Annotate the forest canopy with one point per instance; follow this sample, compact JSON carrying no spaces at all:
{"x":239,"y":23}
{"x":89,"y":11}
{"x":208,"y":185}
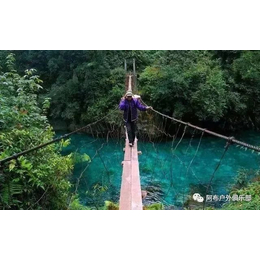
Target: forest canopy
{"x":83,"y":85}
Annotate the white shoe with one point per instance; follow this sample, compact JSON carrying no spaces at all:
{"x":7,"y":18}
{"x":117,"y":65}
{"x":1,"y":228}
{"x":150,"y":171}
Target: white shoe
{"x":130,"y":144}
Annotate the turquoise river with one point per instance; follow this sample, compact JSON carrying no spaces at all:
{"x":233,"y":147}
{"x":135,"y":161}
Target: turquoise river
{"x":167,"y":176}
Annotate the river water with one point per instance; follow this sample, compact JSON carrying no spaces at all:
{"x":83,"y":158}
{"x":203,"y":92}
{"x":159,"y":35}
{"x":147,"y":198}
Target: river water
{"x":168,"y":176}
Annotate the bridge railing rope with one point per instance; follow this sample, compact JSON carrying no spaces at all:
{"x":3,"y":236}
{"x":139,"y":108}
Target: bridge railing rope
{"x":15,"y":156}
{"x":229,"y":139}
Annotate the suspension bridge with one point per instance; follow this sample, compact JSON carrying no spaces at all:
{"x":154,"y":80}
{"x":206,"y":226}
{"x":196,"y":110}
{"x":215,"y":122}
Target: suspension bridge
{"x":130,"y":192}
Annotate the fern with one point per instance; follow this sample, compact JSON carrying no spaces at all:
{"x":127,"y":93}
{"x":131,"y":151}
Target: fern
{"x":8,"y":192}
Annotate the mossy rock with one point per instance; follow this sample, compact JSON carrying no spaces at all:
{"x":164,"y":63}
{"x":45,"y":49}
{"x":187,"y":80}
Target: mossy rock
{"x":109,"y":205}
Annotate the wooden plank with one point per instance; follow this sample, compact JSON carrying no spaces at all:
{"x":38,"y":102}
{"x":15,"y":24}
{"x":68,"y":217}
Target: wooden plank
{"x":130,"y":194}
{"x":136,"y":186}
{"x":125,"y":193}
{"x":127,"y":156}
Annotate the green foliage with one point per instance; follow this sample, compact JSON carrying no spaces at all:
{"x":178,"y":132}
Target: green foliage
{"x":247,"y":183}
{"x":82,"y":85}
{"x":252,"y":189}
{"x":76,"y":205}
{"x":46,"y":105}
{"x":109,"y":205}
{"x":38,"y":180}
{"x":80,"y":158}
{"x":177,"y":81}
{"x":219,"y":87}
{"x":215,"y":87}
{"x":154,"y":206}
{"x":96,"y":194}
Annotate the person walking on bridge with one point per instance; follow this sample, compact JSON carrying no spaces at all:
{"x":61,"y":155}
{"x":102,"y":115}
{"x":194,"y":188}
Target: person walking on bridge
{"x":129,"y":105}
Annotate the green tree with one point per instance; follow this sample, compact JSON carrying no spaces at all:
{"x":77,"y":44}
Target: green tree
{"x":178,"y":80}
{"x":38,"y":180}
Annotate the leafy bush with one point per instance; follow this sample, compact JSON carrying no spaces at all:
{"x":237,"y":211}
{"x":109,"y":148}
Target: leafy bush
{"x":252,"y":189}
{"x":38,"y":180}
{"x":154,"y":206}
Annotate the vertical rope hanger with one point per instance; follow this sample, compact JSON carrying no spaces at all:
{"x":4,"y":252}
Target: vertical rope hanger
{"x":217,"y":166}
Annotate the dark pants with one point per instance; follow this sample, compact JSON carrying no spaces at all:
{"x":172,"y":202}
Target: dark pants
{"x":131,"y":131}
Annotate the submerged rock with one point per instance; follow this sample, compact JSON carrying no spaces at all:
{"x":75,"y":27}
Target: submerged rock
{"x":152,"y":194}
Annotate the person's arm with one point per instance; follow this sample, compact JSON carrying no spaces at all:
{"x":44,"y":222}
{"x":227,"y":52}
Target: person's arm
{"x":141,"y":107}
{"x":122,"y":104}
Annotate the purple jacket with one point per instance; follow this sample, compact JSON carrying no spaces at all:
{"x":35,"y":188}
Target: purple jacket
{"x":134,"y":104}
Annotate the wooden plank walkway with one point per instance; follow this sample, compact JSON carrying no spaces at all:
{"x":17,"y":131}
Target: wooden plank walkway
{"x":130,"y":194}
{"x":129,"y":83}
